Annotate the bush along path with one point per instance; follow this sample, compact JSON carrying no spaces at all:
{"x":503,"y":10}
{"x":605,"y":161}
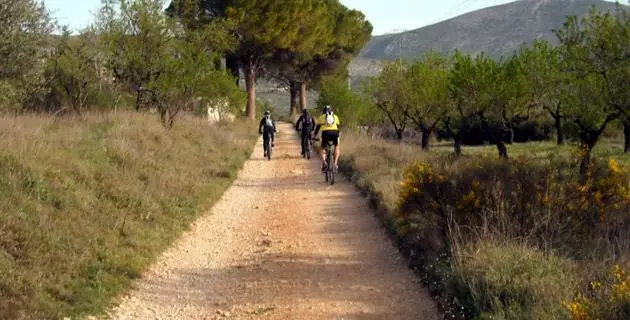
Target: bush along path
{"x":281,"y":244}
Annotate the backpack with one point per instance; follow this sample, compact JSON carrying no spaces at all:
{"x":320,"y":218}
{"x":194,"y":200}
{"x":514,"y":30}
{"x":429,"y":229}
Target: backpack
{"x":330,"y":119}
{"x":307,"y":123}
{"x":268,"y":122}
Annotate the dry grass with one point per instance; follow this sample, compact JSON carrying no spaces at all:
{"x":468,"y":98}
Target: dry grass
{"x":376,"y":164}
{"x":502,"y":240}
{"x":86,"y":205}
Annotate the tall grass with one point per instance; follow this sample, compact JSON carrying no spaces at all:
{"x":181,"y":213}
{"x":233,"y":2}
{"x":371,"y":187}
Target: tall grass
{"x":86,"y":205}
{"x":497,"y":239}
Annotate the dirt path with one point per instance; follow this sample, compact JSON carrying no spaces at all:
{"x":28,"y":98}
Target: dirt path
{"x":281,"y":244}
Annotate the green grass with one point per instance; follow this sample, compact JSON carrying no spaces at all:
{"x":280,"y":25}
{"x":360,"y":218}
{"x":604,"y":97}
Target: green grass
{"x":512,"y":281}
{"x":608,"y":148}
{"x":87,"y":205}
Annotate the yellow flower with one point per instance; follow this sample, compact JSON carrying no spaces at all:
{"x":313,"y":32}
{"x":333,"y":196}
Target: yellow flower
{"x":595,"y":285}
{"x":578,"y":311}
{"x":619,"y":273}
{"x":613,"y":165}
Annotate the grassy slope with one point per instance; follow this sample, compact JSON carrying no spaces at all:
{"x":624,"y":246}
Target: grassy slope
{"x":85,"y":206}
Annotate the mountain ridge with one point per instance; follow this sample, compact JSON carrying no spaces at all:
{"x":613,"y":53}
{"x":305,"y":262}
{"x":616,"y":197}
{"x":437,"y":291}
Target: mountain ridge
{"x":498,"y":30}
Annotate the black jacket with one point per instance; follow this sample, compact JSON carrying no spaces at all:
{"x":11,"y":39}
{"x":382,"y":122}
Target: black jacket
{"x":303,"y":126}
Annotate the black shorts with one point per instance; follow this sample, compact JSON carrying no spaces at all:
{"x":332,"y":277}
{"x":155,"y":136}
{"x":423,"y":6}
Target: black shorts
{"x":330,"y":135}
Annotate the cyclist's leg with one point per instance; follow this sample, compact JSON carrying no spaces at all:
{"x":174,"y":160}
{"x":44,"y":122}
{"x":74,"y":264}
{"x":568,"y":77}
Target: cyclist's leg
{"x":322,"y":149}
{"x":336,"y":153}
{"x":272,"y":135}
{"x":265,"y":139}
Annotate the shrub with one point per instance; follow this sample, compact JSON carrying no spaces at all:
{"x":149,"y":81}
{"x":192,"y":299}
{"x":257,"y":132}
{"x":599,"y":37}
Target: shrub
{"x":608,"y":298}
{"x":474,"y":134}
{"x":542,"y":206}
{"x":537,"y":201}
{"x":511,"y":281}
{"x":533,"y":131}
{"x":469,"y":227}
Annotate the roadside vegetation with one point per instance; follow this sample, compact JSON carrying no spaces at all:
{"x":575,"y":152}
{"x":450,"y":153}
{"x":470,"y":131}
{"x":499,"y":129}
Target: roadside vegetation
{"x":87,"y":205}
{"x":105,"y":152}
{"x":505,"y":182}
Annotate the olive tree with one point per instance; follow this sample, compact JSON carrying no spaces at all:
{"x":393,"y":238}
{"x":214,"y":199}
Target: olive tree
{"x":427,"y":93}
{"x":544,"y":78}
{"x":389,"y":92}
{"x":25,"y":28}
{"x":469,"y":82}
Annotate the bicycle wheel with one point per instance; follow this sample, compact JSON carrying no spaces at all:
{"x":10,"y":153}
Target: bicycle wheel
{"x":329,"y":164}
{"x":268,"y":149}
{"x":307,"y":150}
{"x":331,"y":167}
{"x":326,"y":175}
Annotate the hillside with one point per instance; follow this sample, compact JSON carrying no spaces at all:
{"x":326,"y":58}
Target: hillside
{"x":86,"y":206}
{"x":497,"y":30}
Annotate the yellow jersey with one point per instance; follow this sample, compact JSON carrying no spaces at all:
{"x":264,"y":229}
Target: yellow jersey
{"x":321,"y":121}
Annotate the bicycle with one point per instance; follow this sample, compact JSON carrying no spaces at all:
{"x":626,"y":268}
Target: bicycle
{"x":330,"y":163}
{"x":307,"y":146}
{"x":268,"y":147}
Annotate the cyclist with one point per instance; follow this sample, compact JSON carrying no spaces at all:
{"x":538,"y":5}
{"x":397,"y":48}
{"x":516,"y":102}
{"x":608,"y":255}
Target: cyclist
{"x":267,"y":128}
{"x":328,"y":122}
{"x":305,"y":125}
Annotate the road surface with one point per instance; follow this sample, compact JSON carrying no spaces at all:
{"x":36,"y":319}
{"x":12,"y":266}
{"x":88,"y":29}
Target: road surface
{"x":281,"y":244}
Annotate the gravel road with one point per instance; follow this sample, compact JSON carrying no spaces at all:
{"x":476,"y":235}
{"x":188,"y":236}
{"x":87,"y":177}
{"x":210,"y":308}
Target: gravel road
{"x":281,"y":244}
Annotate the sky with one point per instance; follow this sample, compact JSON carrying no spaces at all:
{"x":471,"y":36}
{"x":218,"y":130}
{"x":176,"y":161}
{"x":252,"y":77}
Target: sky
{"x":386,"y":16}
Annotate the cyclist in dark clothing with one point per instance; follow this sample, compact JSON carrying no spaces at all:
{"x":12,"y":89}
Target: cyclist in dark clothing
{"x":305,"y":125}
{"x":267,"y":128}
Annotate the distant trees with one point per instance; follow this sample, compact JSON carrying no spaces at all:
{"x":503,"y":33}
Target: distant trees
{"x":174,"y":56}
{"x":297,"y":42}
{"x":25,"y":27}
{"x":72,"y":71}
{"x":147,"y":51}
{"x":596,"y":52}
{"x":132,"y":47}
{"x":582,"y":82}
{"x":542,"y":71}
{"x":427,"y":79}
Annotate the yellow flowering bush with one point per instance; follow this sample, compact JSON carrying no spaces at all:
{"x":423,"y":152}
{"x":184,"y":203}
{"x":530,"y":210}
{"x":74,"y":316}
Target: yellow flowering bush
{"x":604,"y":191}
{"x":513,"y":197}
{"x":607,"y":299}
{"x":546,"y":204}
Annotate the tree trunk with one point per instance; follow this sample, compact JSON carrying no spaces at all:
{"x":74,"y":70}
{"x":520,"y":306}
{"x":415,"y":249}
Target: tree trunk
{"x":585,"y":162}
{"x":626,"y":136}
{"x":399,"y":133}
{"x":303,"y":105}
{"x":559,"y":132}
{"x":458,"y":146}
{"x":294,"y":90}
{"x":250,"y":81}
{"x":503,"y":152}
{"x":510,"y":137}
{"x":426,"y":137}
